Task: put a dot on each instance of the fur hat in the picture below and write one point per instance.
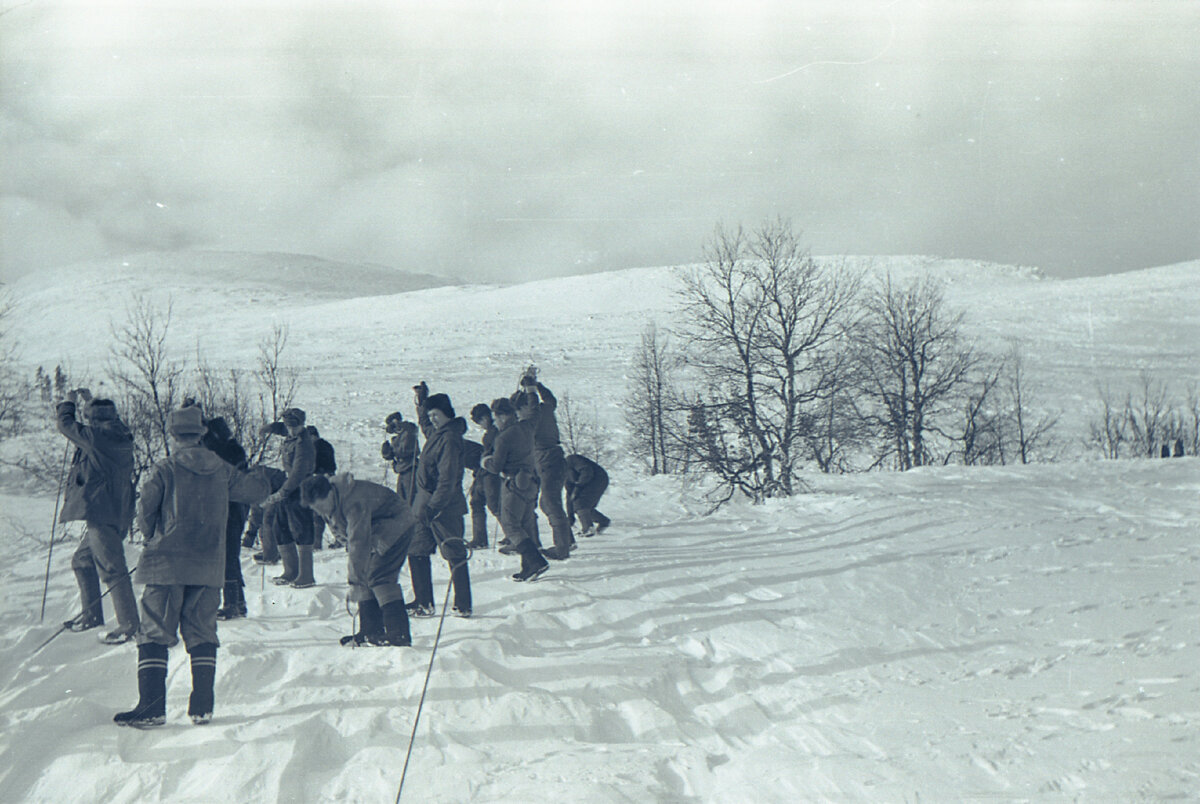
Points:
(219, 428)
(503, 407)
(186, 422)
(101, 410)
(440, 402)
(292, 417)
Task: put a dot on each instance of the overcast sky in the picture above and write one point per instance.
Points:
(509, 140)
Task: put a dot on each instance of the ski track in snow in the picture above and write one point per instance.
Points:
(1020, 633)
(880, 638)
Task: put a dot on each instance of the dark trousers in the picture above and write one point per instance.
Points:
(291, 522)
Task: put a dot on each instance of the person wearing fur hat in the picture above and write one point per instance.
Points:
(99, 492)
(182, 511)
(440, 504)
(550, 462)
(512, 459)
(291, 523)
(378, 526)
(484, 495)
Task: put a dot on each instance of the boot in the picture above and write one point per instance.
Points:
(151, 709)
(304, 577)
(291, 564)
(460, 578)
(270, 548)
(395, 625)
(532, 562)
(204, 672)
(370, 625)
(235, 603)
(92, 613)
(420, 569)
(126, 608)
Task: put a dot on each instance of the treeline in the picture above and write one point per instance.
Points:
(779, 366)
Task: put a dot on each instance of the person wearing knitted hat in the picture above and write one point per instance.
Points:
(291, 523)
(440, 503)
(182, 511)
(99, 492)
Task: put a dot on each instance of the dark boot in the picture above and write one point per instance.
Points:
(92, 613)
(235, 603)
(151, 709)
(532, 562)
(204, 673)
(291, 564)
(395, 625)
(420, 569)
(304, 576)
(460, 578)
(370, 625)
(479, 537)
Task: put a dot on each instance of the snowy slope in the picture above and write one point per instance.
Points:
(1022, 633)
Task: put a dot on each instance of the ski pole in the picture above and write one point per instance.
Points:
(62, 472)
(68, 622)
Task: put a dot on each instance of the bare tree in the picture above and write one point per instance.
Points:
(1032, 432)
(1109, 432)
(982, 437)
(1149, 415)
(914, 366)
(582, 432)
(149, 380)
(277, 383)
(759, 318)
(649, 404)
(14, 390)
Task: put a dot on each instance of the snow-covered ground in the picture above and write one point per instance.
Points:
(1019, 633)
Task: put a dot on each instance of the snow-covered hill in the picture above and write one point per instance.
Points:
(1022, 633)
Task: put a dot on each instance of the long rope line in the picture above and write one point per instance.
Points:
(429, 670)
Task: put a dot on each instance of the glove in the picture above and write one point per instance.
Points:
(386, 451)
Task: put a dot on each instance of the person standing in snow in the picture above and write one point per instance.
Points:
(484, 495)
(401, 451)
(219, 439)
(182, 510)
(512, 460)
(378, 526)
(99, 492)
(550, 463)
(291, 523)
(326, 464)
(586, 482)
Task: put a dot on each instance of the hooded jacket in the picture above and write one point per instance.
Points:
(182, 511)
(100, 484)
(440, 469)
(373, 518)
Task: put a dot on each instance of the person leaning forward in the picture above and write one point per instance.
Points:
(378, 526)
(182, 510)
(99, 492)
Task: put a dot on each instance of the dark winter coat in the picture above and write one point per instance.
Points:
(99, 487)
(472, 455)
(440, 470)
(401, 449)
(299, 460)
(326, 459)
(182, 511)
(512, 457)
(545, 422)
(586, 481)
(374, 520)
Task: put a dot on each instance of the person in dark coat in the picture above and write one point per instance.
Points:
(550, 463)
(99, 491)
(291, 523)
(586, 482)
(377, 525)
(401, 450)
(484, 495)
(219, 438)
(512, 459)
(439, 504)
(182, 510)
(326, 465)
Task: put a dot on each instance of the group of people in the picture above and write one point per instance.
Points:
(193, 505)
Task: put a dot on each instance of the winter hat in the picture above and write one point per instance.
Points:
(292, 417)
(186, 422)
(101, 410)
(480, 411)
(219, 428)
(503, 407)
(392, 422)
(440, 402)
